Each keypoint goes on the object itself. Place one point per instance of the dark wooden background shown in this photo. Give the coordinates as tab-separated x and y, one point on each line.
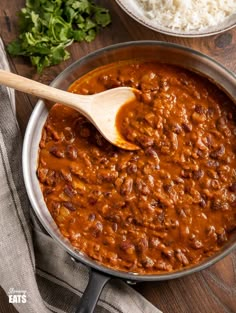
210	291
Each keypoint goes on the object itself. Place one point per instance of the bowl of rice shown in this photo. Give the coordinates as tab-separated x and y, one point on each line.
183	18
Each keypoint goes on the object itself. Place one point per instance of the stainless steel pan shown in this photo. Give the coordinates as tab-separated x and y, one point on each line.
152	50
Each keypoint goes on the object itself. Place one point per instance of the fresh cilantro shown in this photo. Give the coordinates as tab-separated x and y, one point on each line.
47	27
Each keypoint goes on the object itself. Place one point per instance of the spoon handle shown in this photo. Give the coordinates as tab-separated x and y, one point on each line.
75	101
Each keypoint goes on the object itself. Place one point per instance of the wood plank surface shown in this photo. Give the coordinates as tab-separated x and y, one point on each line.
212	290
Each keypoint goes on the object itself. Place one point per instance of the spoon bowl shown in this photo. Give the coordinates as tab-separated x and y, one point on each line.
100	109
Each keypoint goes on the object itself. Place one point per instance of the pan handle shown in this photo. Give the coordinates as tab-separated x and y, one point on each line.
92	292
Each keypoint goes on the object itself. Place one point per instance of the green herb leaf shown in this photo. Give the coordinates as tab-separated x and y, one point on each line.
47	27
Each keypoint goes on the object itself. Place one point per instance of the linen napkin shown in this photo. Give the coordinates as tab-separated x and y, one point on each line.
35	272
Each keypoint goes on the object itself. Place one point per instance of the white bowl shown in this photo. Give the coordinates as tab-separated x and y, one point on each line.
132	8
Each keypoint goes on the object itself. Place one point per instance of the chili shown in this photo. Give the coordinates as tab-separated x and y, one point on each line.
167	206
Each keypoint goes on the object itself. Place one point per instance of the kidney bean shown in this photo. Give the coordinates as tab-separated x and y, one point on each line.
66	175
57	152
115	227
71	152
222	236
151	152
163	266
221	123
198	174
127	247
92	217
181	257
232	187
51	178
187	173
97	229
167	188
176	128
213	163
48	190
178	180
145	141
150	118
69	191
168	252
42	174
142	245
187	127
217	204
115	218
110	81
106	175
55	135
147	262
69	205
161	217
55	205
218	153
202	203
132	168
94	196
127	186
142	186
150	181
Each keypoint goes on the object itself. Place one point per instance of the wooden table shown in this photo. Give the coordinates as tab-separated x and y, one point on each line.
213	289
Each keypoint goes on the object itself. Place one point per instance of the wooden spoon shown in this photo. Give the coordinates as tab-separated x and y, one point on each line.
100	109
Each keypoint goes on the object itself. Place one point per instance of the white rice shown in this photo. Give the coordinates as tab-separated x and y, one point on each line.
187	15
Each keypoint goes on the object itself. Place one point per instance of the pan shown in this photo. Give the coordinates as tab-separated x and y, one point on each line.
152	50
